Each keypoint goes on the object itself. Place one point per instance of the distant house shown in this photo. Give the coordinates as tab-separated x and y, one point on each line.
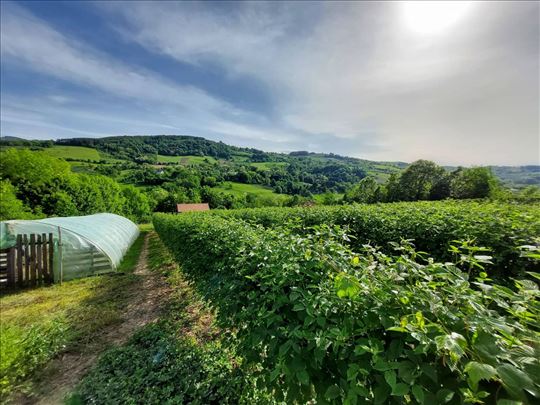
192	207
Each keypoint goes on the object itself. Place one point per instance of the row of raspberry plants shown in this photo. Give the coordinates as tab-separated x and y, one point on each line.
502	228
317	321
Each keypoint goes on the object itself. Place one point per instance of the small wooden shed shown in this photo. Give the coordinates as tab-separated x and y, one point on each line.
192	207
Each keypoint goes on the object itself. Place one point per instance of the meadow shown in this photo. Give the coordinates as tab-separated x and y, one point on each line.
73	152
240	189
185	159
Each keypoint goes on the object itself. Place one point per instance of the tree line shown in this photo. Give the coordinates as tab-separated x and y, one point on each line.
34	185
425	180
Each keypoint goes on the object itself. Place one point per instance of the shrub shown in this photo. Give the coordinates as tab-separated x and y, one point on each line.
500	227
318	321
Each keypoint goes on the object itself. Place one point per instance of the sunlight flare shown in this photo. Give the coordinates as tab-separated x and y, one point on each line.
431	17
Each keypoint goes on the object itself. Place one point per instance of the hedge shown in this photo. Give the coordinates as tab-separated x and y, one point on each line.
432	226
315	320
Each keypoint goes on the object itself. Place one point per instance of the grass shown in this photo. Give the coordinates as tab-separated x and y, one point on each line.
185	159
267	165
38	324
73	152
131	257
179	359
241	189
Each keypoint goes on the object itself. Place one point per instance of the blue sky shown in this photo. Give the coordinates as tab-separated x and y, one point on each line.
457	84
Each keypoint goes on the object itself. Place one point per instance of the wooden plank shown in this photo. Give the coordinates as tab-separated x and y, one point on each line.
11	267
39	260
26	248
20	278
44	258
33	258
51	258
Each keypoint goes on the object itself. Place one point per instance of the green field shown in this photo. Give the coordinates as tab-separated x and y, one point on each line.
267	165
73	152
185	159
241	189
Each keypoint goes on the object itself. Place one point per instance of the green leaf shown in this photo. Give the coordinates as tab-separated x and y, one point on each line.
479	371
400	389
347	286
390	377
284	348
430	371
418	393
508	402
297	364
380	394
381	365
514	379
303	377
445	395
453	343
332	392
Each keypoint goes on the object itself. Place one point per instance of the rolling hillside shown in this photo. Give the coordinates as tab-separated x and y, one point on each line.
189	150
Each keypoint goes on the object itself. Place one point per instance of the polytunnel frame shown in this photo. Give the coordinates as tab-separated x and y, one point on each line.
92	244
60	261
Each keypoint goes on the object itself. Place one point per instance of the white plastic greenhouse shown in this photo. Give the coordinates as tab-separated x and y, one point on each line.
83	246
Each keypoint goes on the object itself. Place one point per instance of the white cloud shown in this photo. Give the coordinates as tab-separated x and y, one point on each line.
359	69
351	78
36	46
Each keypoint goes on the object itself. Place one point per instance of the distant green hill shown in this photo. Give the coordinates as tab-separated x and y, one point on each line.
334	171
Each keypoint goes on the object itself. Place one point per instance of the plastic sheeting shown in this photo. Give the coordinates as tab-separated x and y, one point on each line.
84	245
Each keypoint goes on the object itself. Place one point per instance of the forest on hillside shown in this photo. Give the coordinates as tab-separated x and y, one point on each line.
135	176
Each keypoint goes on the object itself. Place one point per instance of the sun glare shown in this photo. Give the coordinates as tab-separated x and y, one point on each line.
430	17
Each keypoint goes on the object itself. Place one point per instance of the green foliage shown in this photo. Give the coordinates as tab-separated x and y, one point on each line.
419	179
180	357
530	194
425	180
366	191
476	182
136	205
46	186
285	174
157	367
433	226
39	324
73	152
10	206
316	320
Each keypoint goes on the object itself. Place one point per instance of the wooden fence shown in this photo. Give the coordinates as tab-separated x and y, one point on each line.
29	262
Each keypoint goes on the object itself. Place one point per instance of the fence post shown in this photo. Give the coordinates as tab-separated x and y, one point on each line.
26	259
33	258
60	254
39	260
44	259
51	258
20	277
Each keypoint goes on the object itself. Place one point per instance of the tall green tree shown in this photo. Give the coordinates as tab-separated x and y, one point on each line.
475	182
417	181
10	206
366	191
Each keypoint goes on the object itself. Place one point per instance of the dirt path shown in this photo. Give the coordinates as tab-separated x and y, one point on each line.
146	300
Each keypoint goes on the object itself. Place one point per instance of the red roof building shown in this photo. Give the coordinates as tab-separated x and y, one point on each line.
192	207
